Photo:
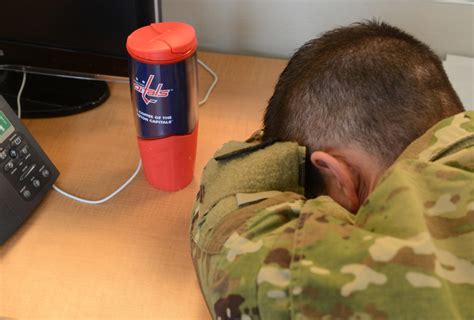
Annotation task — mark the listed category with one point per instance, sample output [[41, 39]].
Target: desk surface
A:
[[128, 258]]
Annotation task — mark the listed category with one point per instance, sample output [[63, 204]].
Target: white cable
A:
[[64, 193], [137, 170], [110, 196], [18, 103], [213, 84]]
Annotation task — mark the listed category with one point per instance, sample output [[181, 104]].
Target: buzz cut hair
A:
[[368, 85]]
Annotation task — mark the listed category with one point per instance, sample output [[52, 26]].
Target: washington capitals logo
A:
[[149, 93]]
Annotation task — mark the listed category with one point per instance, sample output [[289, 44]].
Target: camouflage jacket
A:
[[263, 251]]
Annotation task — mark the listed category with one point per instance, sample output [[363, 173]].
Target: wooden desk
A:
[[128, 258]]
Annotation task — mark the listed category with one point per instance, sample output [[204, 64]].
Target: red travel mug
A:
[[163, 84]]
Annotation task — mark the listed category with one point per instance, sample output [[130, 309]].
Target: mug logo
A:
[[147, 91]]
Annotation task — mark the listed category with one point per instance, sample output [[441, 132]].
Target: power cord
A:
[[20, 92], [137, 170], [110, 196], [213, 84]]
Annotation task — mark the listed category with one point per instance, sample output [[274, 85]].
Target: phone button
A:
[[17, 141], [27, 172], [13, 153], [3, 154], [10, 165], [26, 194], [45, 173]]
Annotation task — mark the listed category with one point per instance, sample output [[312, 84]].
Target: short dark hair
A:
[[368, 84]]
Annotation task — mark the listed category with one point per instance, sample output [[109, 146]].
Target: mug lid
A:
[[164, 42]]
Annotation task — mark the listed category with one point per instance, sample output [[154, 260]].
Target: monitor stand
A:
[[51, 96]]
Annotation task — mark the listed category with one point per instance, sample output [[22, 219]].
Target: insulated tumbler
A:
[[163, 84]]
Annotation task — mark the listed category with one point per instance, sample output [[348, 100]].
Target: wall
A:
[[277, 28]]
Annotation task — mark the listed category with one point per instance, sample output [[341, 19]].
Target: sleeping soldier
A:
[[355, 201]]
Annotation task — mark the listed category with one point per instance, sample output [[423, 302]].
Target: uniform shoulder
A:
[[447, 136]]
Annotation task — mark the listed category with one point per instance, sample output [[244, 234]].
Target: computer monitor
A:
[[72, 39]]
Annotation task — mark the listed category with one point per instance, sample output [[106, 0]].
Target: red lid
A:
[[165, 42]]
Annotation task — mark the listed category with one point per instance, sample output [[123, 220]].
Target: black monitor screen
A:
[[91, 28], [60, 37]]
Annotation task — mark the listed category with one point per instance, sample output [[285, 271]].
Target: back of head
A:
[[368, 85]]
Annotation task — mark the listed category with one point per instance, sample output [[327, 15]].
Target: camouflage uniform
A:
[[406, 254]]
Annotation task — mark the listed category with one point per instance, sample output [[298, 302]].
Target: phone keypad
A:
[[22, 167]]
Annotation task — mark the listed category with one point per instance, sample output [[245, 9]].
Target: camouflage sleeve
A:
[[407, 254], [414, 238], [415, 234], [235, 192], [243, 235]]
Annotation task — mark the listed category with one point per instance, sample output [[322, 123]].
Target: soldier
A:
[[357, 199]]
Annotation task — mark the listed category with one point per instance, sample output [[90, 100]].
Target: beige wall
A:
[[277, 28]]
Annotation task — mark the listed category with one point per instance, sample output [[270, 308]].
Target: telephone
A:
[[26, 173]]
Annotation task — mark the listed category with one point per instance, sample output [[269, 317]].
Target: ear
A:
[[338, 177]]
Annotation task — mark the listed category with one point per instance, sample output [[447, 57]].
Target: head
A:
[[356, 97]]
